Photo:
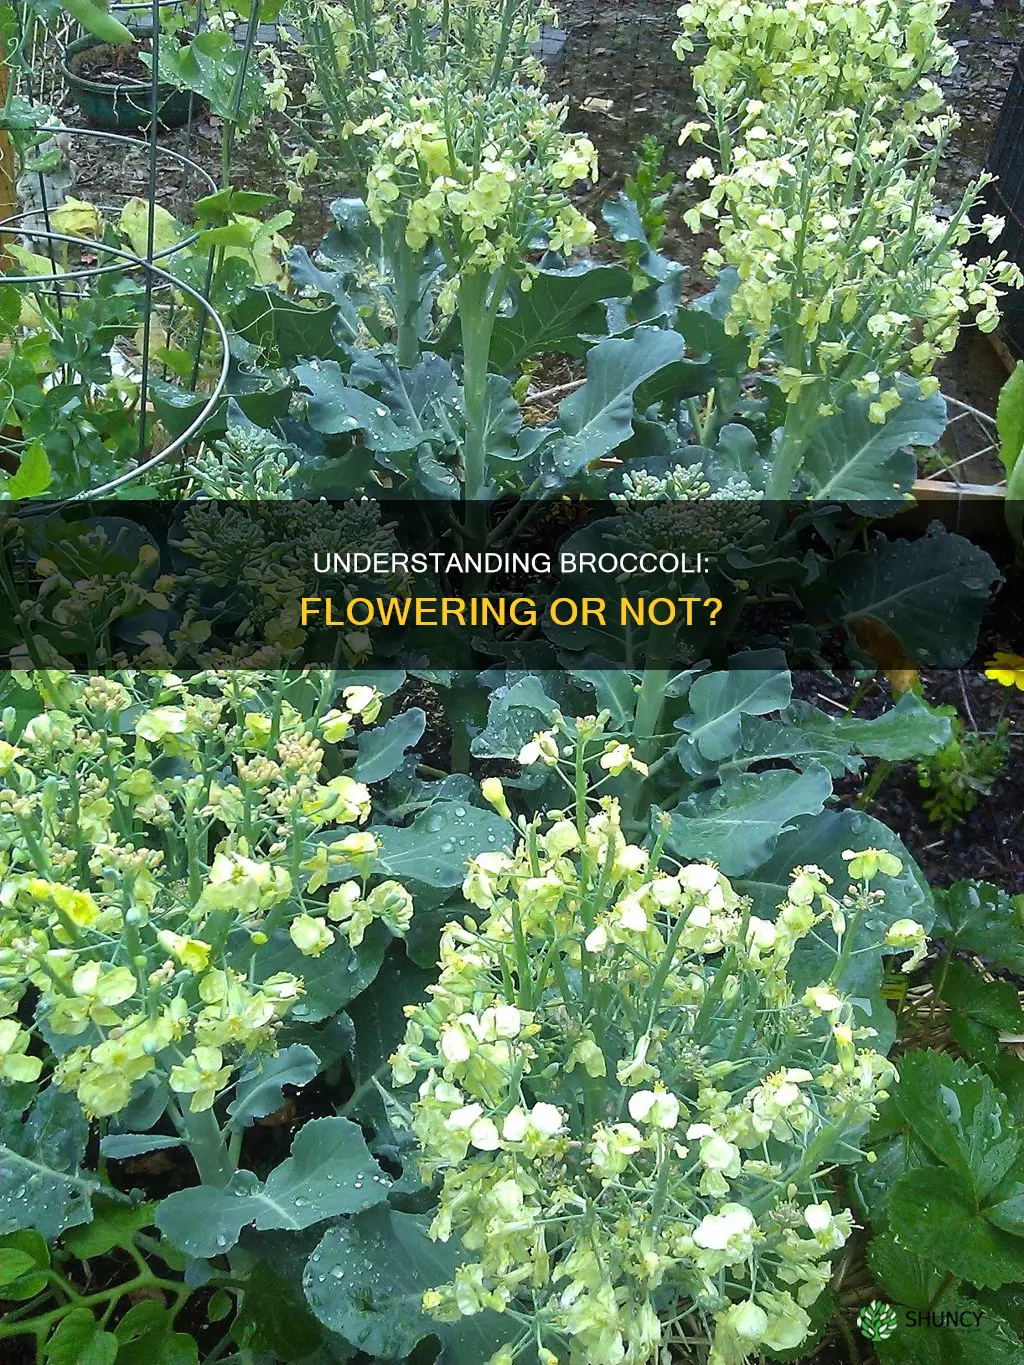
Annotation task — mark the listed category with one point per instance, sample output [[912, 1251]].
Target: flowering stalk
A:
[[629, 1103], [828, 131], [147, 964]]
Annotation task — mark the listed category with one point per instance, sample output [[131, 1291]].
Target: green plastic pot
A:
[[123, 108]]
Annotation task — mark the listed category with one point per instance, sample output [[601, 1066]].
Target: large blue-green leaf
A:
[[754, 685], [821, 841], [42, 1184], [556, 313], [502, 424], [910, 729], [850, 457], [331, 980], [331, 284], [366, 1281], [259, 1090], [287, 329], [382, 750], [738, 823], [615, 690], [514, 715], [930, 593], [803, 734], [598, 417], [379, 1024], [436, 847], [424, 398], [336, 407], [329, 1173]]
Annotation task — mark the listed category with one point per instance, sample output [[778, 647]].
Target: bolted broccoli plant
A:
[[633, 1100]]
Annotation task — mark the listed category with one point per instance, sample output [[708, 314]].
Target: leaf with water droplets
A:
[[331, 980], [436, 847], [930, 593], [755, 684], [960, 1116], [738, 823], [41, 1184], [936, 1212], [980, 918], [330, 1172], [367, 1278], [336, 408], [513, 716]]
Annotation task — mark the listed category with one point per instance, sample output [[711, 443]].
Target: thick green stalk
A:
[[651, 701], [407, 303], [788, 457], [208, 1148], [477, 324]]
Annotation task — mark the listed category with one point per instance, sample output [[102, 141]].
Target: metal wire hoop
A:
[[129, 261], [139, 145], [976, 430]]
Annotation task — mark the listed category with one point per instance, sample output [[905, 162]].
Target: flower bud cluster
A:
[[160, 866], [827, 131], [629, 1100], [344, 52], [481, 176]]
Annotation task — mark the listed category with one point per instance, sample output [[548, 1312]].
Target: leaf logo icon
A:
[[877, 1321]]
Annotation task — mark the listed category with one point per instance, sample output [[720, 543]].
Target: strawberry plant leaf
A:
[[904, 1276], [995, 1003], [937, 1212], [977, 917], [985, 1335], [960, 1116]]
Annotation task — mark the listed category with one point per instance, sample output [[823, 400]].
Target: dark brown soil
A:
[[989, 843]]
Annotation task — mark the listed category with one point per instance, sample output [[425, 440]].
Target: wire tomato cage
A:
[[36, 183], [162, 332]]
